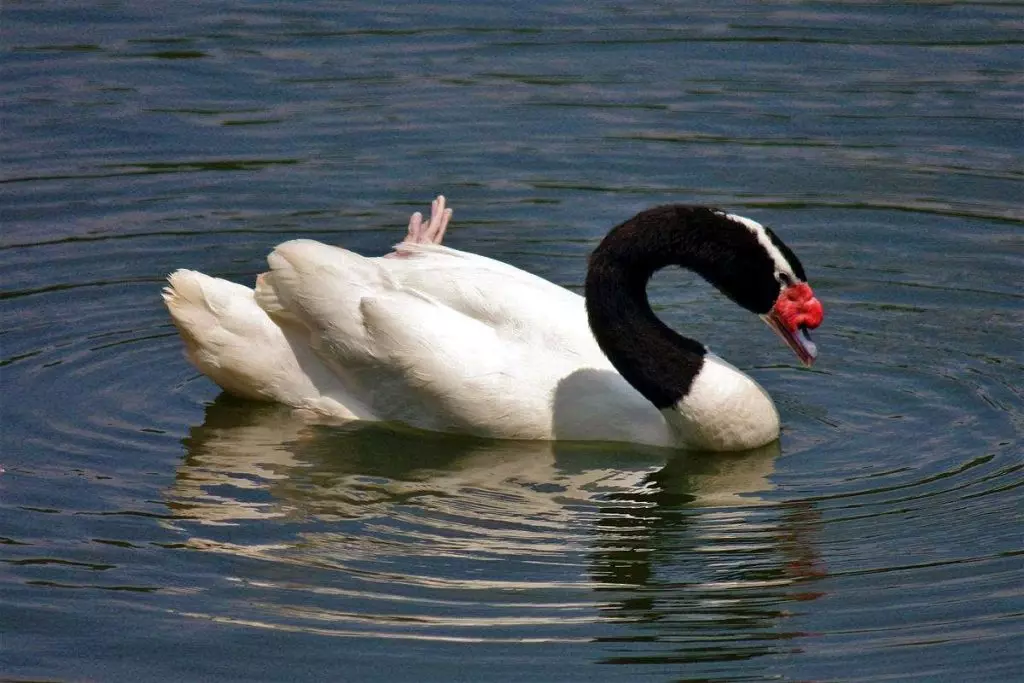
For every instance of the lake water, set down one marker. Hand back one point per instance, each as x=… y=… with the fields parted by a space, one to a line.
x=151 y=529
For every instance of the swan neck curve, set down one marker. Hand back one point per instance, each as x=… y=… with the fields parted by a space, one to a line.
x=656 y=360
x=709 y=403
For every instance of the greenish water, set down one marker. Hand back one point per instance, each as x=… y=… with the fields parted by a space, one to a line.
x=151 y=529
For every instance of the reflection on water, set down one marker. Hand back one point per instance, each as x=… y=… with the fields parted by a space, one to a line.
x=678 y=552
x=242 y=445
x=704 y=586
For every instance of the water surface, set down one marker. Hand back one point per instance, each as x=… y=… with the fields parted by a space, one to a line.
x=153 y=529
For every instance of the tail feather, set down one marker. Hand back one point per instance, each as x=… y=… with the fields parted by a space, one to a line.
x=224 y=332
x=233 y=341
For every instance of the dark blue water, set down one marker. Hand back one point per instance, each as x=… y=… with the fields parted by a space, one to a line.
x=151 y=529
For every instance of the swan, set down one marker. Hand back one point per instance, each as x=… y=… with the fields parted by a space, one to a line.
x=445 y=340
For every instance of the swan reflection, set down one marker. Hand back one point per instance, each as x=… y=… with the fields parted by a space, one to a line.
x=372 y=531
x=254 y=461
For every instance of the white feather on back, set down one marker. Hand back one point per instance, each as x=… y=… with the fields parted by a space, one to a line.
x=520 y=305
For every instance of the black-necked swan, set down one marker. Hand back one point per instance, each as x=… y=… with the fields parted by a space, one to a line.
x=449 y=341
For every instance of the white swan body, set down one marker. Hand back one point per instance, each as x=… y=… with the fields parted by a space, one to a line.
x=442 y=340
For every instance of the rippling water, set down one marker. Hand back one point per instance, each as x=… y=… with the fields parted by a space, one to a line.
x=153 y=529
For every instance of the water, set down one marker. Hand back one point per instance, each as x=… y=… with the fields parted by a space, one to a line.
x=154 y=530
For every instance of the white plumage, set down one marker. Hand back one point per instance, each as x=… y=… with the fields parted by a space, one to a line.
x=441 y=340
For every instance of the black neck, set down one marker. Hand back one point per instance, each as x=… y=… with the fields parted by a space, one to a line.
x=660 y=363
x=657 y=361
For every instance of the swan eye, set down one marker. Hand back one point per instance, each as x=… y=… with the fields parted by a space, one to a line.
x=785 y=279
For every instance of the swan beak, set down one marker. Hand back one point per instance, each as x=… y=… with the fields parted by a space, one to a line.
x=797 y=338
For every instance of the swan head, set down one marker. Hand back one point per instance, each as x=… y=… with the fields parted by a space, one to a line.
x=774 y=286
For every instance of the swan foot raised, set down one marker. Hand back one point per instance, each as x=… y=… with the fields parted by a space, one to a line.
x=429 y=232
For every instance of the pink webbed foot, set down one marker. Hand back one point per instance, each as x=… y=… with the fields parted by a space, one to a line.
x=429 y=232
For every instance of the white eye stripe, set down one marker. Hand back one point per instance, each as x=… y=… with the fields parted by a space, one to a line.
x=782 y=267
